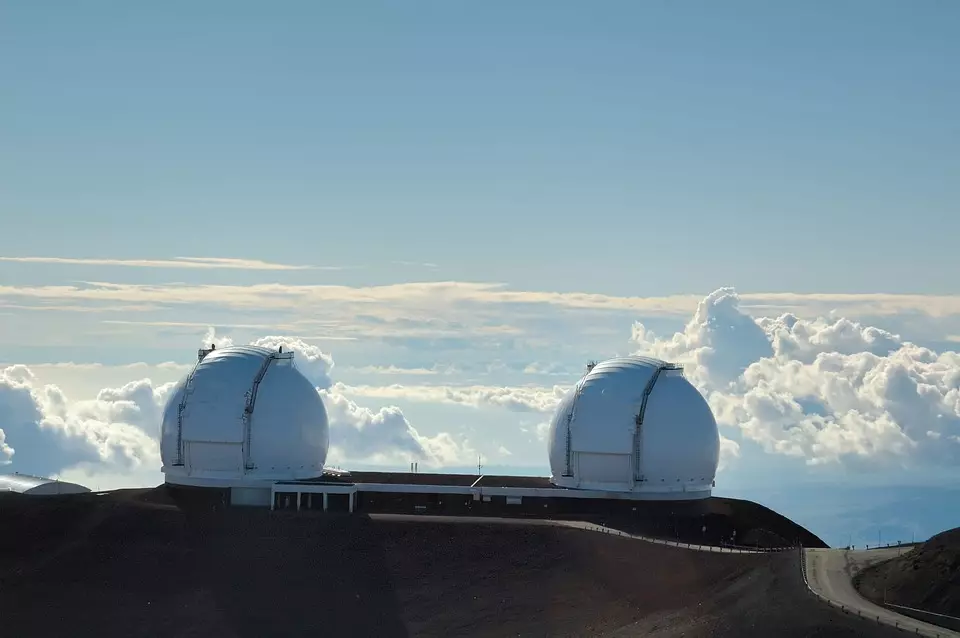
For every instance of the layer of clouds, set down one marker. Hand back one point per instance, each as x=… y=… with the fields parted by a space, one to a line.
x=828 y=390
x=825 y=389
x=398 y=371
x=516 y=398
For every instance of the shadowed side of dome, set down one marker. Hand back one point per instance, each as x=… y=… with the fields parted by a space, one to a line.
x=243 y=415
x=635 y=424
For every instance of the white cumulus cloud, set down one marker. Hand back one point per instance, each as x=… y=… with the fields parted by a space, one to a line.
x=116 y=433
x=385 y=436
x=829 y=390
x=6 y=452
x=310 y=360
x=515 y=398
x=44 y=431
x=359 y=433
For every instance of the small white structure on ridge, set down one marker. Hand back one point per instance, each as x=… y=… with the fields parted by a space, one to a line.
x=38 y=486
x=635 y=424
x=244 y=417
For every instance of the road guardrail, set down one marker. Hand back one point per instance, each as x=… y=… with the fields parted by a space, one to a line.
x=719 y=549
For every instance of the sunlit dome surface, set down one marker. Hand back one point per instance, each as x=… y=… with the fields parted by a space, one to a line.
x=635 y=424
x=245 y=415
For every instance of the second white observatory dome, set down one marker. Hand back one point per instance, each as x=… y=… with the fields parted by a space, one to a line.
x=244 y=416
x=635 y=424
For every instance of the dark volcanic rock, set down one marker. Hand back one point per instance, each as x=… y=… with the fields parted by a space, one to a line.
x=927 y=577
x=135 y=563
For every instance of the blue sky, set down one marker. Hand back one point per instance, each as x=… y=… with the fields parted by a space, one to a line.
x=570 y=169
x=514 y=142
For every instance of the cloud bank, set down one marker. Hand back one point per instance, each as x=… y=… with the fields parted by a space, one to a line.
x=118 y=432
x=827 y=390
x=44 y=432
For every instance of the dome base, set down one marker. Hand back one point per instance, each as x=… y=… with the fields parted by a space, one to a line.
x=638 y=491
x=176 y=475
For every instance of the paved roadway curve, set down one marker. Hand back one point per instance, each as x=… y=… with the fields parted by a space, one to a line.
x=830 y=574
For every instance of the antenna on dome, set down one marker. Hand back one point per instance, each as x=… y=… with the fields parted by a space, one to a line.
x=591 y=365
x=281 y=350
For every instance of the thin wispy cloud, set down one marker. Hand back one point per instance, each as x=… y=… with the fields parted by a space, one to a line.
x=421 y=297
x=191 y=325
x=200 y=324
x=136 y=367
x=399 y=371
x=207 y=263
x=80 y=308
x=520 y=398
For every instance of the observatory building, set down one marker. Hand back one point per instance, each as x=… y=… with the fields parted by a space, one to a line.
x=246 y=424
x=244 y=418
x=635 y=424
x=633 y=442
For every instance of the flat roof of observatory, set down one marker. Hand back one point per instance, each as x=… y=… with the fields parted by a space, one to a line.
x=427 y=478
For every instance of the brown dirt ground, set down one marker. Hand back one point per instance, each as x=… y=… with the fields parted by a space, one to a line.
x=927 y=578
x=133 y=563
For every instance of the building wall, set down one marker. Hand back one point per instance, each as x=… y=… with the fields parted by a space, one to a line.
x=480 y=504
x=250 y=496
x=57 y=487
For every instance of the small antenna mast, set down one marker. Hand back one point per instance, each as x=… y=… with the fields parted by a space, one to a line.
x=478 y=465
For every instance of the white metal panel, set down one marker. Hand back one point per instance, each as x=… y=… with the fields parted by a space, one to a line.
x=212 y=419
x=681 y=443
x=214 y=457
x=604 y=417
x=557 y=435
x=602 y=469
x=289 y=431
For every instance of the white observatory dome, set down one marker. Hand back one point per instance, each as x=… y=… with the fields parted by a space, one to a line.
x=244 y=415
x=635 y=424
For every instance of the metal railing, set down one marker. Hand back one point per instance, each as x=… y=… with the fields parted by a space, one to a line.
x=251 y=403
x=719 y=549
